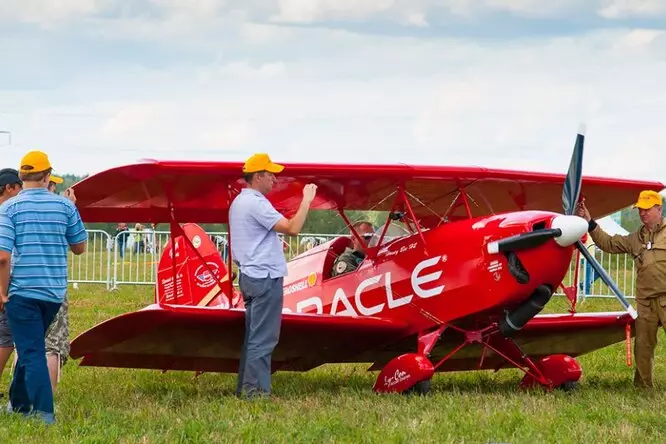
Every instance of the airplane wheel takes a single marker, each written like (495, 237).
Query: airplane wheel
(568, 386)
(420, 388)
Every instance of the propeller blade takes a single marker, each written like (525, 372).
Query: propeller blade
(606, 278)
(564, 229)
(523, 240)
(573, 181)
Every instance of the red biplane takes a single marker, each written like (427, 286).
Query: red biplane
(454, 280)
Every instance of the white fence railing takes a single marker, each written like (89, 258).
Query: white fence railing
(94, 266)
(620, 267)
(132, 257)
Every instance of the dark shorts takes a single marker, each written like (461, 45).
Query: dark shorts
(6, 339)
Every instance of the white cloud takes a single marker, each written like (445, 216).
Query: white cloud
(129, 119)
(47, 12)
(417, 19)
(639, 39)
(266, 34)
(298, 11)
(150, 16)
(227, 136)
(535, 8)
(201, 84)
(615, 9)
(244, 69)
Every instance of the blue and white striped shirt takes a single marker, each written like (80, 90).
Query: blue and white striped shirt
(38, 227)
(255, 245)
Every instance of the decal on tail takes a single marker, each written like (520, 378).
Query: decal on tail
(198, 281)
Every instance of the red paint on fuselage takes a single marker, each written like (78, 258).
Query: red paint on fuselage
(451, 278)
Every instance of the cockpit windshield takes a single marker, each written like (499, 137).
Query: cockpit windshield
(393, 231)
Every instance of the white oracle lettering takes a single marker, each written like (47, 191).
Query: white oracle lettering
(393, 303)
(286, 310)
(340, 296)
(365, 310)
(417, 280)
(313, 301)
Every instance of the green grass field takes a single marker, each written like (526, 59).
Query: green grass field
(335, 403)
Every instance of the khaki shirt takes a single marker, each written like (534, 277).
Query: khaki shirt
(648, 249)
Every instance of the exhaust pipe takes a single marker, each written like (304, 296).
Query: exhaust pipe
(516, 319)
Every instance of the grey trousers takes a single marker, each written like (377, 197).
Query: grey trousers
(263, 315)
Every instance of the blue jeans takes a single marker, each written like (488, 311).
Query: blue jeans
(30, 391)
(263, 315)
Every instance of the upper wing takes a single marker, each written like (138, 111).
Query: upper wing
(202, 191)
(204, 339)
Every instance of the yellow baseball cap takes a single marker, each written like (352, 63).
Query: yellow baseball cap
(35, 162)
(261, 162)
(56, 179)
(648, 199)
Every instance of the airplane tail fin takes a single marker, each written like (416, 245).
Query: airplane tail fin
(197, 281)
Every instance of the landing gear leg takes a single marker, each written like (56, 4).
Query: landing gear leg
(411, 372)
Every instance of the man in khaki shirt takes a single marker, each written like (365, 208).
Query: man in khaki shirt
(647, 246)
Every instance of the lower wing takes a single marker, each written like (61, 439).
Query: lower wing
(210, 339)
(544, 335)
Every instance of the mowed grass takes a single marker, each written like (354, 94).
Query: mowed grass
(335, 403)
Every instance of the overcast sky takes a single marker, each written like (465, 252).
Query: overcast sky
(502, 83)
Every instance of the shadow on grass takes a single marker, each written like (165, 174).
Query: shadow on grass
(180, 388)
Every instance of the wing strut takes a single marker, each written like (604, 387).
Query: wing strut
(173, 227)
(351, 227)
(405, 201)
(401, 201)
(229, 260)
(463, 193)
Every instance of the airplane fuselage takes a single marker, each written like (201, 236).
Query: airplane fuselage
(450, 276)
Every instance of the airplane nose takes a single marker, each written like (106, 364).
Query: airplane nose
(572, 228)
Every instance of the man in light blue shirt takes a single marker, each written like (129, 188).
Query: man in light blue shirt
(39, 227)
(254, 225)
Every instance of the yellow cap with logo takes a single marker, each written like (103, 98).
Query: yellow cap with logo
(648, 199)
(261, 162)
(35, 162)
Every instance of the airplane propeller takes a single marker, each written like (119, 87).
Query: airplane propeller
(570, 195)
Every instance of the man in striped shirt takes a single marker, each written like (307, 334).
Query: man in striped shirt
(38, 226)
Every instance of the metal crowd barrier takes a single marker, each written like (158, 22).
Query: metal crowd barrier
(620, 267)
(132, 258)
(93, 266)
